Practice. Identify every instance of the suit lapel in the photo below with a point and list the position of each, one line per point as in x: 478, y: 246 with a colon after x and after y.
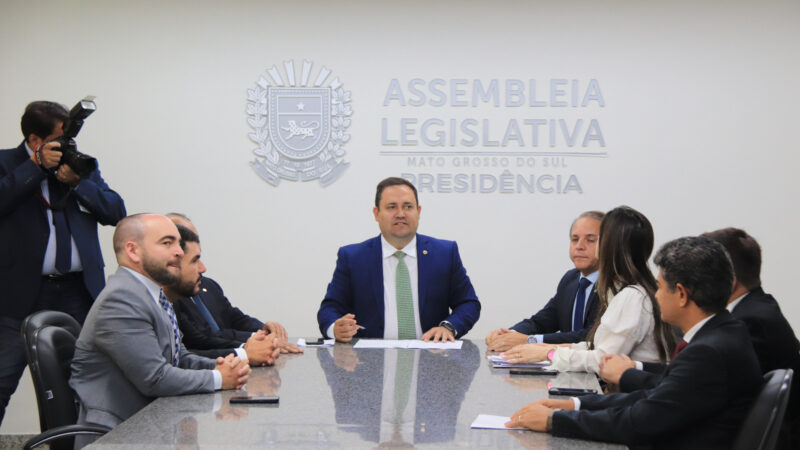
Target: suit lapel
x: 20, y: 155
x: 375, y: 268
x: 162, y: 325
x: 422, y: 271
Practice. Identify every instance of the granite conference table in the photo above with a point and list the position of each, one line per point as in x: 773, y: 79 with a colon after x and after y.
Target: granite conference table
x: 343, y: 397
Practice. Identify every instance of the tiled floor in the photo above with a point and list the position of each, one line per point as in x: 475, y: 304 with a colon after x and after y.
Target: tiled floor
x: 15, y: 441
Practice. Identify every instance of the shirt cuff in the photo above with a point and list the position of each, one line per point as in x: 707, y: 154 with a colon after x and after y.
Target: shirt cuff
x: 217, y: 380
x: 329, y: 331
x: 241, y: 352
x: 539, y: 338
x: 639, y: 365
x: 576, y: 402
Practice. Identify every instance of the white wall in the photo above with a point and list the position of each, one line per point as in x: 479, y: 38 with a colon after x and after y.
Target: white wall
x: 700, y: 99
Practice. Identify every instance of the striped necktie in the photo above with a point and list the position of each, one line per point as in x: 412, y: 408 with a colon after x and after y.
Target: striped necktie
x: 176, y: 339
x: 406, y: 329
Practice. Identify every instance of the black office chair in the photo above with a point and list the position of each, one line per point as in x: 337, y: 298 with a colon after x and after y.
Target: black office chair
x: 52, y: 349
x: 30, y: 326
x: 763, y: 423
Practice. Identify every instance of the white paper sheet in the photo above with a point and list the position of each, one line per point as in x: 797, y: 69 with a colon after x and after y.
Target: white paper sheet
x: 499, y: 363
x: 435, y: 345
x: 408, y: 343
x: 489, y: 422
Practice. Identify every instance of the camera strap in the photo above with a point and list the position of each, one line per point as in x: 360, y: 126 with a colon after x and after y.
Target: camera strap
x: 55, y: 187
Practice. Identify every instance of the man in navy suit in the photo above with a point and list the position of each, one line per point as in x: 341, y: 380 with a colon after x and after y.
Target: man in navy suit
x: 49, y: 253
x: 208, y: 320
x: 400, y: 284
x: 570, y: 314
x: 706, y: 390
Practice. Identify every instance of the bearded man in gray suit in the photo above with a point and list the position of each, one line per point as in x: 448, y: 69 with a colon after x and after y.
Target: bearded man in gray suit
x: 129, y: 351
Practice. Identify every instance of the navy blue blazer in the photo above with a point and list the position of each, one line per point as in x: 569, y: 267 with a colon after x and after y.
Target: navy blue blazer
x: 235, y: 327
x: 445, y: 292
x: 700, y: 401
x: 554, y: 321
x: 24, y: 230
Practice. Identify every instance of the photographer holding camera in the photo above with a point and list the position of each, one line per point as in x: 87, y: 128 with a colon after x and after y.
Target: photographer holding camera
x: 49, y: 252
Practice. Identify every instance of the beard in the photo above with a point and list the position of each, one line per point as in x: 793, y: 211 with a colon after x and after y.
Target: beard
x: 186, y: 288
x: 158, y: 272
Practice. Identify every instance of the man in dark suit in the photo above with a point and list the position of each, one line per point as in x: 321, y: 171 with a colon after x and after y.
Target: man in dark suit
x: 705, y: 392
x: 773, y: 339
x: 400, y: 284
x: 207, y: 318
x: 570, y: 314
x: 49, y: 253
x: 258, y: 348
x: 129, y: 351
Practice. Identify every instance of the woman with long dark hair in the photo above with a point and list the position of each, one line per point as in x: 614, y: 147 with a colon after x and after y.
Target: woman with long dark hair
x: 629, y: 319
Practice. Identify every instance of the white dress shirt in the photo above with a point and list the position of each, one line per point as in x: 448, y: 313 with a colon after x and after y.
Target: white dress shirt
x: 626, y: 328
x: 390, y: 286
x: 730, y: 306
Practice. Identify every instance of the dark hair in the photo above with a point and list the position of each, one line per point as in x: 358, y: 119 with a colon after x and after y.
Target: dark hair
x: 626, y: 242
x: 393, y: 181
x: 40, y: 118
x: 745, y: 254
x: 187, y: 235
x: 702, y: 266
x: 596, y: 215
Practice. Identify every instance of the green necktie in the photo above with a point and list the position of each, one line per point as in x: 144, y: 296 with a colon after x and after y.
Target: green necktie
x: 402, y: 382
x: 405, y: 307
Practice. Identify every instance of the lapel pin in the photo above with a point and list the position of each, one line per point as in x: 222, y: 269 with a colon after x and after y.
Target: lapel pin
x: 205, y: 290
x: 424, y: 252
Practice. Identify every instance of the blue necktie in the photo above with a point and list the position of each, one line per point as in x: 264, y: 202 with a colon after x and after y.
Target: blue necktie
x: 580, y: 304
x: 206, y: 313
x: 63, y: 237
x: 176, y: 338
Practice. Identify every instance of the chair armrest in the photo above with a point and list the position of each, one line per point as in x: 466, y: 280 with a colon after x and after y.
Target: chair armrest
x: 64, y: 431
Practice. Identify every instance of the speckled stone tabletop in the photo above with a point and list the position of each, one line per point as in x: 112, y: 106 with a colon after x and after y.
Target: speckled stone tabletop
x: 343, y: 397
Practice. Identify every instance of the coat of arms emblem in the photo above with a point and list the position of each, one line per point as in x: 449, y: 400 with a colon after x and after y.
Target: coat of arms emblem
x: 299, y: 125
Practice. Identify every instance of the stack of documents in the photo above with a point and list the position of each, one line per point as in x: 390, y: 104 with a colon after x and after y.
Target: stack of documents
x: 499, y: 363
x: 407, y: 343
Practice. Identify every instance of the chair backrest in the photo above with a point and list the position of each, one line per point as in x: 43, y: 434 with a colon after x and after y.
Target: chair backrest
x: 763, y: 423
x: 30, y: 326
x: 53, y: 350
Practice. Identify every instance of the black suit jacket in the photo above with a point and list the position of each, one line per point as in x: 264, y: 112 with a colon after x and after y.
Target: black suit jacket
x: 24, y: 230
x: 699, y: 402
x: 235, y: 326
x: 773, y: 338
x: 554, y: 321
x: 774, y: 341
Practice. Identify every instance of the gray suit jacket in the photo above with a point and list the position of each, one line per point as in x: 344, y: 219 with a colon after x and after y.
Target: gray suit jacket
x: 123, y: 355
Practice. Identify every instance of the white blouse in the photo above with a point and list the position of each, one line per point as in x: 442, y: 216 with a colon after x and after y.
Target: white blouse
x: 626, y: 328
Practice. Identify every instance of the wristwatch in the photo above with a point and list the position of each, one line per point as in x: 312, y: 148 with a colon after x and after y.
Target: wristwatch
x: 532, y: 339
x: 449, y: 327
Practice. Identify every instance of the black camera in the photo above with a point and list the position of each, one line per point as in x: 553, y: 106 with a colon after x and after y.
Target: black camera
x: 80, y: 163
